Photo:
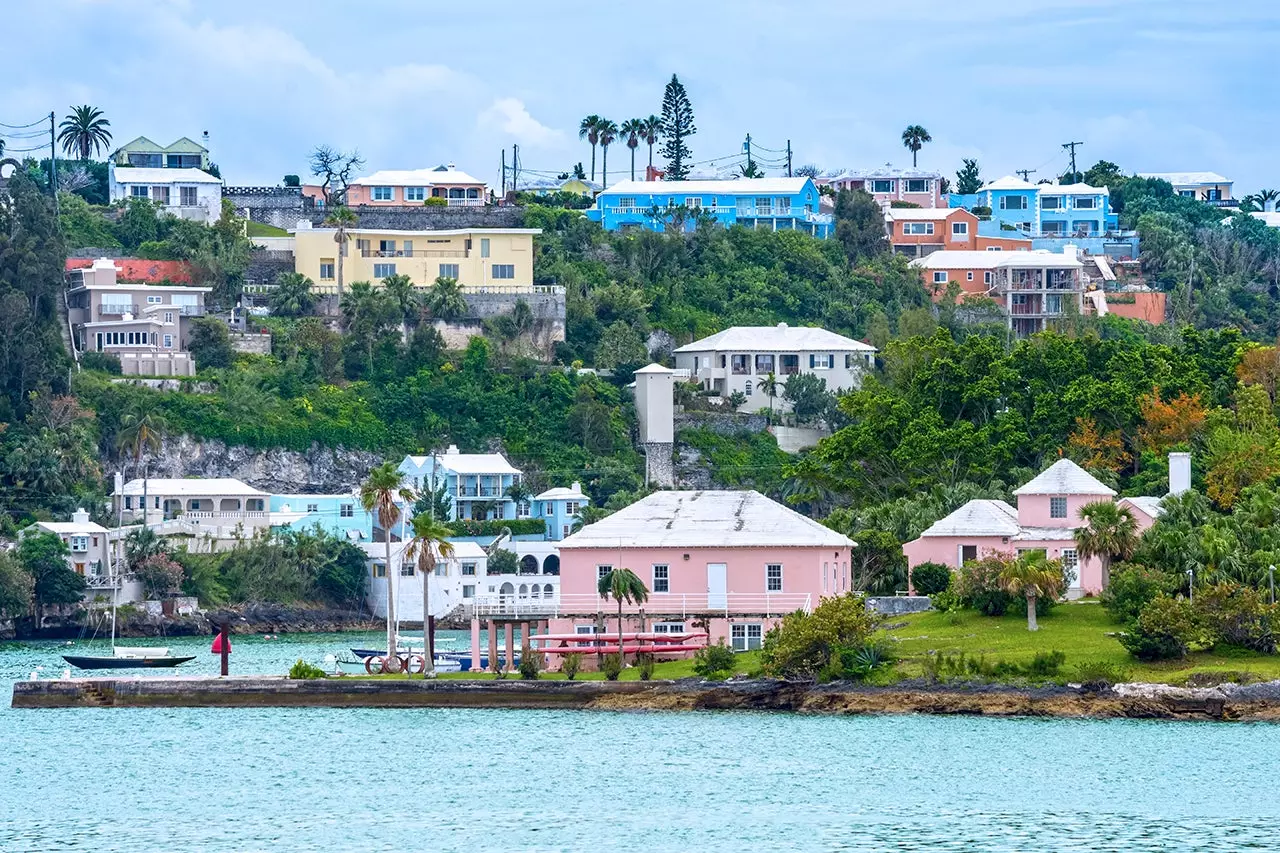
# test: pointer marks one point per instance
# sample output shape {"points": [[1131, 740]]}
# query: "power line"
{"points": [[35, 123]]}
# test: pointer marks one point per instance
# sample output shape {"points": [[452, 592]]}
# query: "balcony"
{"points": [[1221, 202], [681, 605], [414, 253], [480, 492], [118, 309]]}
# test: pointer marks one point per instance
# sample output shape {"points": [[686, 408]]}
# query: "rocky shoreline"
{"points": [[1228, 702], [252, 618]]}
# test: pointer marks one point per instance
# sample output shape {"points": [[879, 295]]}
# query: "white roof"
{"points": [[776, 339], [143, 175], [1177, 178], [561, 493], [1008, 182], [433, 232], [978, 518], [880, 172], [71, 527], [469, 463], [706, 519], [1149, 504], [1064, 477], [1071, 189], [1269, 218], [417, 177], [742, 186], [952, 259], [900, 213], [197, 486]]}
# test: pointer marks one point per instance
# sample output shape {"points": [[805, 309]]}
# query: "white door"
{"points": [[717, 585]]}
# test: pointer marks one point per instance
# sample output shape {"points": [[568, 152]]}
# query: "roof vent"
{"points": [[452, 451], [782, 325]]}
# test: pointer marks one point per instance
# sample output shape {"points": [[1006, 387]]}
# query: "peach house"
{"points": [[411, 187], [1045, 519], [920, 231], [727, 563]]}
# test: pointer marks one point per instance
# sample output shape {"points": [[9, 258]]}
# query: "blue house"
{"points": [[562, 509], [476, 483], [772, 203], [341, 515], [1043, 210]]}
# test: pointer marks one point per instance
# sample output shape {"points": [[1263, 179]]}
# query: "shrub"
{"points": [[1236, 616], [645, 663], [1100, 675], [804, 643], [1164, 630], [860, 662], [305, 671], [1131, 588], [931, 578], [571, 665], [980, 210], [963, 667], [611, 666], [530, 664], [503, 562], [106, 362], [435, 201], [978, 585], [517, 526], [713, 661]]}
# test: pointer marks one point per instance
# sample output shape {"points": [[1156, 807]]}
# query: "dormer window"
{"points": [[1058, 507]]}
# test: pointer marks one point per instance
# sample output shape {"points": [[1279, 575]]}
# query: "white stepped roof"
{"points": [[1184, 178], [195, 486], [898, 214], [146, 175], [73, 528], [980, 517], [1065, 477], [417, 177], [563, 493], [468, 463], [1148, 504], [959, 259], [706, 519], [740, 186], [776, 339]]}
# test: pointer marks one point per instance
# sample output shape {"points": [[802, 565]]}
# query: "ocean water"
{"points": [[144, 780]]}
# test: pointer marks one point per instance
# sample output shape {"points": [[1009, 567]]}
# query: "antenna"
{"points": [[1072, 147]]}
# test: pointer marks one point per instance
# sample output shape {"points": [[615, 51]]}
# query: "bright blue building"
{"points": [[562, 509], [341, 515], [1043, 210], [776, 204]]}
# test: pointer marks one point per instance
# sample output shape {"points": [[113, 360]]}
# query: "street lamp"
{"points": [[1191, 585]]}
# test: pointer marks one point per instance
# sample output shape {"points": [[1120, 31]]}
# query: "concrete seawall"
{"points": [[1229, 702]]}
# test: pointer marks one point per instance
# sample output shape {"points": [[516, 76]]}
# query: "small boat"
{"points": [[122, 657]]}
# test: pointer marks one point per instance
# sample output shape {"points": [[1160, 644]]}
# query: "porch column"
{"points": [[475, 643], [511, 651], [493, 643], [524, 637]]}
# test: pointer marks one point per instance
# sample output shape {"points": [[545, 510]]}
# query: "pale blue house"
{"points": [[477, 483], [775, 204], [1043, 210], [561, 508], [341, 515]]}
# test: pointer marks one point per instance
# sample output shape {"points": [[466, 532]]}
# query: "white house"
{"points": [[217, 511], [91, 546], [739, 359], [185, 193], [1209, 187], [456, 581]]}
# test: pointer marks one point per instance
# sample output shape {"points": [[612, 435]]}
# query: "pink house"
{"points": [[727, 563]]}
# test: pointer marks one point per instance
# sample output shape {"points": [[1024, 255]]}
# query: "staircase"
{"points": [[98, 695], [64, 327]]}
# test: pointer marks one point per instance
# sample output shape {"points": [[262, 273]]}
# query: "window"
{"points": [[782, 206], [313, 507], [1086, 203], [960, 229], [504, 271], [986, 277], [668, 627], [917, 186], [406, 570], [584, 629], [967, 553], [746, 638], [882, 186], [387, 248], [764, 364], [627, 202], [773, 577], [363, 245], [571, 508], [821, 361], [1013, 202], [326, 269], [379, 570], [187, 196], [468, 591], [739, 364], [764, 206], [138, 192], [484, 247], [661, 579], [160, 195], [1083, 227], [449, 271], [747, 390], [168, 317], [939, 276], [1058, 507], [382, 194], [601, 571], [384, 270], [693, 202], [415, 193], [1051, 202], [968, 276], [195, 504], [1053, 227], [79, 543], [1069, 561], [917, 228], [744, 206], [168, 341], [347, 511]]}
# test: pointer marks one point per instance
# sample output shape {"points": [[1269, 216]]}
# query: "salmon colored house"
{"points": [[919, 231], [387, 188]]}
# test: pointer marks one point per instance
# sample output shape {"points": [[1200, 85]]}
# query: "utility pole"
{"points": [[1025, 173], [788, 158], [53, 162], [504, 173], [1072, 147], [515, 167]]}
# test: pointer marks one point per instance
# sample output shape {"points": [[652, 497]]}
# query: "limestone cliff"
{"points": [[319, 470]]}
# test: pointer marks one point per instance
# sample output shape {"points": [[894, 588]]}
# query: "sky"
{"points": [[1152, 85]]}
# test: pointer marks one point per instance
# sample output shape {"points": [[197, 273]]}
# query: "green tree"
{"points": [[444, 301], [16, 587], [142, 430], [621, 585], [1109, 533], [677, 127], [968, 179], [141, 545], [404, 299], [84, 132], [210, 343], [1032, 576], [804, 644], [859, 225], [380, 494], [341, 219], [621, 349], [293, 296], [652, 133], [913, 139], [429, 539], [632, 130], [367, 313], [589, 129], [44, 556], [1104, 174], [808, 395], [769, 386], [83, 226], [607, 132]]}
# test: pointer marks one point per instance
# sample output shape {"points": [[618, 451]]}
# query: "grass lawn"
{"points": [[261, 229], [748, 662], [1082, 630]]}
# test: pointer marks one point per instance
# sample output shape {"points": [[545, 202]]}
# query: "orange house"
{"points": [[917, 232]]}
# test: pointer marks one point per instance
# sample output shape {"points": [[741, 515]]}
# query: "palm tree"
{"points": [[622, 585], [445, 300], [293, 296], [399, 289], [913, 139], [1033, 576], [1109, 531], [607, 132], [141, 431], [769, 385], [429, 538], [84, 132], [589, 130], [1267, 196], [652, 130], [340, 218], [633, 129], [378, 494]]}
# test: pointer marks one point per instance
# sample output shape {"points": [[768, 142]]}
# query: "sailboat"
{"points": [[126, 657]]}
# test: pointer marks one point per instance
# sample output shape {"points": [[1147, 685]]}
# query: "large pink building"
{"points": [[1047, 515]]}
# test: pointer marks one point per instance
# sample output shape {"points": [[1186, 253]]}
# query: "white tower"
{"points": [[655, 410]]}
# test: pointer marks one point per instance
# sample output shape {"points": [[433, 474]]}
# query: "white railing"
{"points": [[667, 604], [227, 515], [682, 373], [108, 581]]}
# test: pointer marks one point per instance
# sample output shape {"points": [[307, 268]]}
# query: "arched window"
{"points": [[748, 391], [524, 590], [551, 565], [533, 591], [548, 591]]}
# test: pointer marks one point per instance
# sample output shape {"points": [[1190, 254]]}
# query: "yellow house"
{"points": [[483, 260]]}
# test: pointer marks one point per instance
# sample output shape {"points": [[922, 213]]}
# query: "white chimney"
{"points": [[80, 516], [1070, 251], [1179, 473], [452, 451]]}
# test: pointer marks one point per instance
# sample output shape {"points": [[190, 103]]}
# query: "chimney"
{"points": [[1070, 251], [1179, 473], [452, 451], [80, 516], [1269, 206]]}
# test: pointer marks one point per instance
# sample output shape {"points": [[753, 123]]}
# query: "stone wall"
{"points": [[422, 218], [266, 264], [278, 206], [659, 467], [254, 343], [722, 423], [897, 605], [548, 319]]}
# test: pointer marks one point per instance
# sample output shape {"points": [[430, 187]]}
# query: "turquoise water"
{"points": [[465, 780]]}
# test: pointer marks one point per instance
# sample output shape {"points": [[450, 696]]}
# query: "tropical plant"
{"points": [[1109, 533], [968, 179], [381, 493], [804, 644], [444, 300], [531, 661], [622, 585], [612, 666], [913, 139], [292, 296], [341, 219], [652, 133], [713, 660], [589, 129], [404, 299], [140, 545], [769, 386], [142, 430], [607, 132], [429, 539], [632, 129], [1032, 576], [303, 671], [1132, 587], [44, 556], [84, 132], [571, 665], [677, 127], [1166, 628], [160, 575]]}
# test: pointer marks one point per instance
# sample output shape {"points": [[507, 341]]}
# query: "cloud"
{"points": [[511, 117]]}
